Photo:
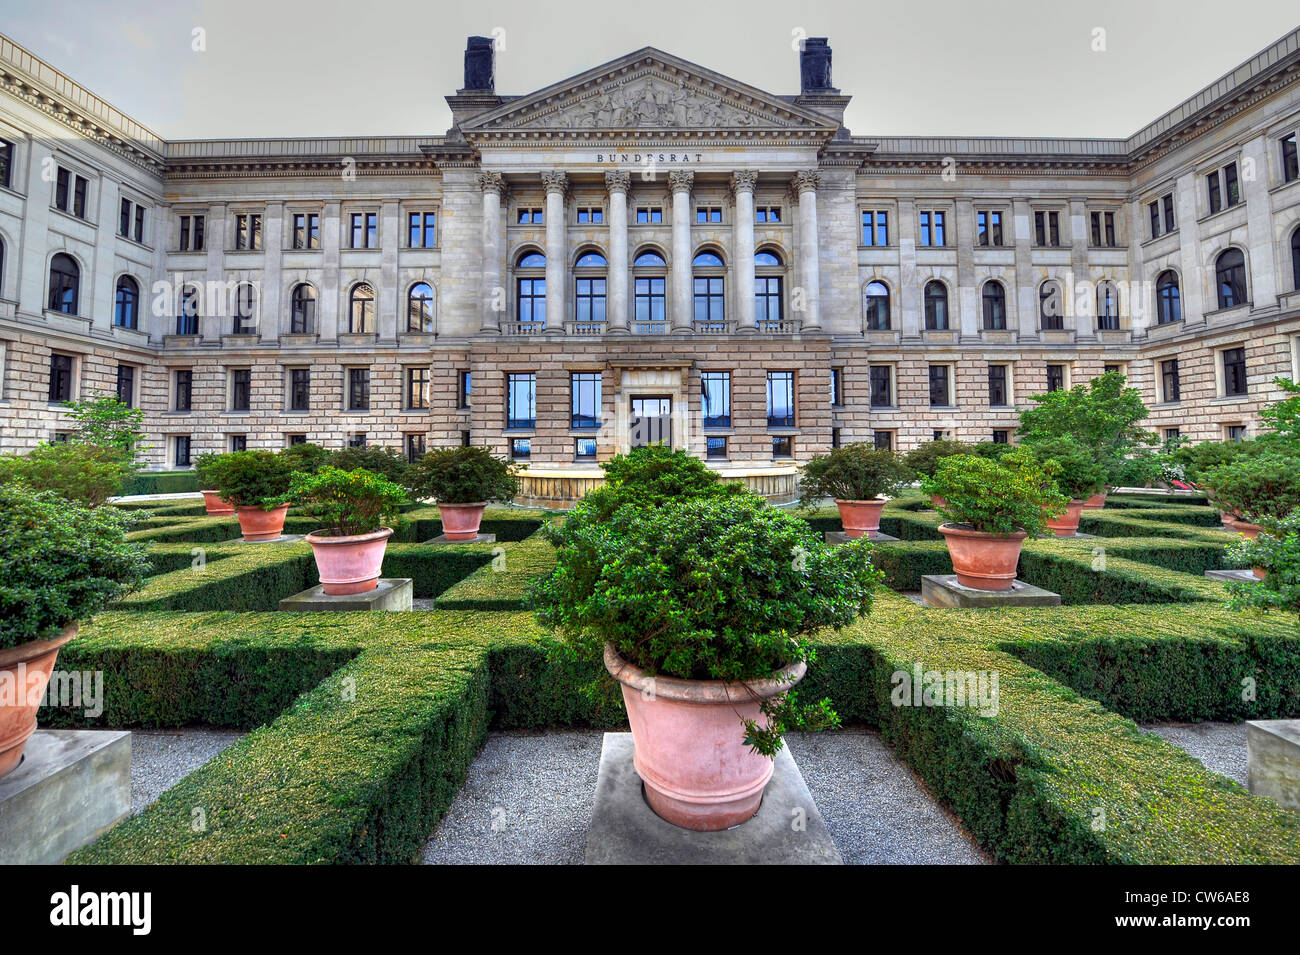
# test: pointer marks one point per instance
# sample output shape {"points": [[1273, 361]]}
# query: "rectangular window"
{"points": [[306, 230], [1290, 160], [1001, 437], [358, 389], [296, 439], [248, 232], [521, 401], [528, 216], [715, 447], [60, 378], [191, 234], [835, 438], [715, 398], [1215, 193], [6, 163], [782, 446], [767, 214], [1172, 435], [1236, 432], [584, 389], [584, 449], [422, 230], [414, 448], [708, 214], [357, 440], [780, 399], [124, 219], [181, 453], [933, 228], [1047, 229], [184, 386], [239, 442], [1169, 384], [521, 449], [1055, 377], [300, 389], [988, 228], [138, 225], [419, 385], [883, 440], [882, 386], [875, 228], [590, 215], [648, 215], [998, 386], [1231, 188], [940, 396], [466, 388], [1153, 209], [79, 197], [1167, 203], [1234, 371], [126, 385], [70, 192], [1103, 229], [837, 387], [365, 230], [241, 389]]}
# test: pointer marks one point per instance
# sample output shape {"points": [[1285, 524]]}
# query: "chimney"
{"points": [[814, 66], [480, 64]]}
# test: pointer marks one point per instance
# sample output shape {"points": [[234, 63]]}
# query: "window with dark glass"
{"points": [[126, 306], [191, 238], [882, 386], [715, 398], [1290, 160], [1236, 432], [248, 232], [709, 289], [419, 385], [182, 450], [357, 440], [187, 317], [940, 395], [6, 163], [988, 228], [780, 399], [883, 440], [1103, 229], [835, 438], [239, 442], [126, 385], [877, 307], [358, 389], [782, 446], [414, 448], [875, 228], [933, 228], [1230, 278], [936, 306], [1169, 307], [300, 389], [65, 284], [302, 310], [306, 230], [1215, 193], [1051, 310], [241, 389], [530, 287], [422, 230], [365, 230], [1055, 377], [1170, 387], [361, 314], [715, 447], [419, 309], [521, 400], [1231, 188], [1161, 212], [584, 388], [1001, 436], [297, 439], [1234, 372], [1295, 258], [124, 219], [245, 307], [184, 389], [1167, 203], [70, 192], [1172, 435], [998, 386], [994, 300], [1107, 306], [1047, 229], [60, 378], [466, 388]]}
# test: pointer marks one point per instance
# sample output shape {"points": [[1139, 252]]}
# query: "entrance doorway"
{"points": [[651, 420]]}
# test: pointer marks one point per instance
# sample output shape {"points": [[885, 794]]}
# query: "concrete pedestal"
{"points": [[480, 539], [1273, 760], [787, 830], [1242, 576], [943, 590], [282, 539], [70, 787], [393, 593], [839, 537]]}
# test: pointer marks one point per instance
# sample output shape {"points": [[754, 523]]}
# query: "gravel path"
{"points": [[1221, 747], [162, 758], [528, 799]]}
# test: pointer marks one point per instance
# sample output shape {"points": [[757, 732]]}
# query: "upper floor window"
{"points": [[988, 228], [936, 306], [306, 230], [875, 228], [521, 400], [708, 214], [709, 288], [649, 215], [933, 228], [1107, 306], [183, 389], [584, 388], [130, 221], [191, 237], [241, 389], [361, 314], [940, 386], [70, 192], [61, 389], [358, 389], [767, 214], [1103, 229], [187, 315], [1170, 387], [126, 308], [994, 300], [715, 398], [1290, 161], [422, 230], [999, 393], [1169, 306], [1295, 258], [245, 309], [125, 389], [300, 389], [65, 284], [590, 215], [877, 307], [530, 298], [7, 163], [768, 298], [1224, 190], [248, 232], [1161, 213], [302, 315], [419, 386], [1230, 278], [649, 291], [529, 216], [1047, 229], [882, 385], [365, 230], [419, 310], [1234, 372], [1051, 309], [780, 399]]}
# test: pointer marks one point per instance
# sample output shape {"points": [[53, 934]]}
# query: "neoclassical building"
{"points": [[646, 251]]}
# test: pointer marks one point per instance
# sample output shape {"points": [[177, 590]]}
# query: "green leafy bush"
{"points": [[463, 476], [1282, 418], [106, 421], [88, 474], [924, 458], [350, 502], [387, 462], [1257, 487], [250, 478], [1192, 462], [1081, 472], [855, 472], [1277, 550], [59, 563], [204, 468], [990, 450], [308, 458], [650, 475], [998, 497]]}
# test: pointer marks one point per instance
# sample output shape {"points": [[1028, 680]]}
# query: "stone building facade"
{"points": [[649, 250]]}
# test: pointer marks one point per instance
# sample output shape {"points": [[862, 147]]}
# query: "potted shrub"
{"points": [[992, 507], [1255, 487], [698, 608], [306, 458], [349, 549], [255, 483], [377, 459], [212, 500], [1274, 556], [924, 458], [859, 479], [463, 481], [1081, 475], [60, 563]]}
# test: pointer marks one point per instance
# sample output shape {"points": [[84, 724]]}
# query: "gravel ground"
{"points": [[162, 758], [528, 799], [1221, 747]]}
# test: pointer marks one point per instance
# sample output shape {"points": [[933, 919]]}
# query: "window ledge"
{"points": [[1230, 399]]}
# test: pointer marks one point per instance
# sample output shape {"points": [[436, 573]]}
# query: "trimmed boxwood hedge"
{"points": [[161, 482]]}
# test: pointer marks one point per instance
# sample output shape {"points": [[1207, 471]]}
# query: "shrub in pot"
{"points": [[924, 458], [1081, 474], [649, 475], [698, 608], [384, 461], [306, 458], [859, 478], [1274, 555], [60, 563], [463, 481], [992, 506], [88, 474], [255, 483], [353, 505], [1256, 487], [212, 500]]}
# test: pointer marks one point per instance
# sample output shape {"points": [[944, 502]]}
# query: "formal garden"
{"points": [[362, 725]]}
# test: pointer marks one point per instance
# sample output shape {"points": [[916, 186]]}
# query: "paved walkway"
{"points": [[1221, 747], [162, 758]]}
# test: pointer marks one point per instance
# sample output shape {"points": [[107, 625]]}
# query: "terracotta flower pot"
{"points": [[215, 505], [24, 672], [1067, 525], [689, 743], [1096, 501], [1226, 518], [860, 517], [260, 525], [938, 500], [983, 561], [1246, 530], [460, 522], [349, 565]]}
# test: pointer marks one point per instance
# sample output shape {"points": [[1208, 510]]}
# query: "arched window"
{"points": [[767, 257], [530, 288], [1230, 278], [589, 290], [1169, 307], [710, 297], [65, 284], [650, 259], [769, 307], [361, 315], [419, 309], [995, 306], [936, 306], [1107, 306], [877, 307], [590, 260], [2, 255], [187, 314], [1051, 307], [1295, 258], [245, 309], [302, 314], [126, 309], [649, 300]]}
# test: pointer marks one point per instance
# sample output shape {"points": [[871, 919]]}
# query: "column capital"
{"points": [[556, 180], [681, 180], [744, 180], [618, 180], [806, 180], [492, 182]]}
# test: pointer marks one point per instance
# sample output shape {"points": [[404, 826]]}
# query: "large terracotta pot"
{"points": [[1067, 525], [689, 743], [260, 525], [216, 505], [938, 500], [983, 561], [1095, 501], [860, 517], [460, 522], [24, 673], [1250, 532], [349, 565]]}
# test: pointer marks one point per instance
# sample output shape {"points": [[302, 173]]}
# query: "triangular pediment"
{"points": [[648, 93]]}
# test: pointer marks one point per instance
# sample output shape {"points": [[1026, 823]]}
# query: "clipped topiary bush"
{"points": [[855, 472], [1257, 487], [463, 476], [250, 478], [998, 497]]}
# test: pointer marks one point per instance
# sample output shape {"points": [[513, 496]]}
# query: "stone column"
{"points": [[557, 184], [805, 186], [742, 232], [1026, 291], [683, 317], [1082, 327], [269, 315], [492, 296], [617, 182]]}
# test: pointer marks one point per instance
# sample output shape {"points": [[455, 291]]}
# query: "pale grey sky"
{"points": [[335, 67]]}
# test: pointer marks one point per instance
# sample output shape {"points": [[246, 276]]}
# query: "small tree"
{"points": [[349, 502], [1282, 418], [306, 457], [924, 458], [1102, 415], [88, 474], [1081, 472], [388, 462], [998, 497], [1257, 487], [105, 421], [463, 476], [855, 472], [1277, 550]]}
